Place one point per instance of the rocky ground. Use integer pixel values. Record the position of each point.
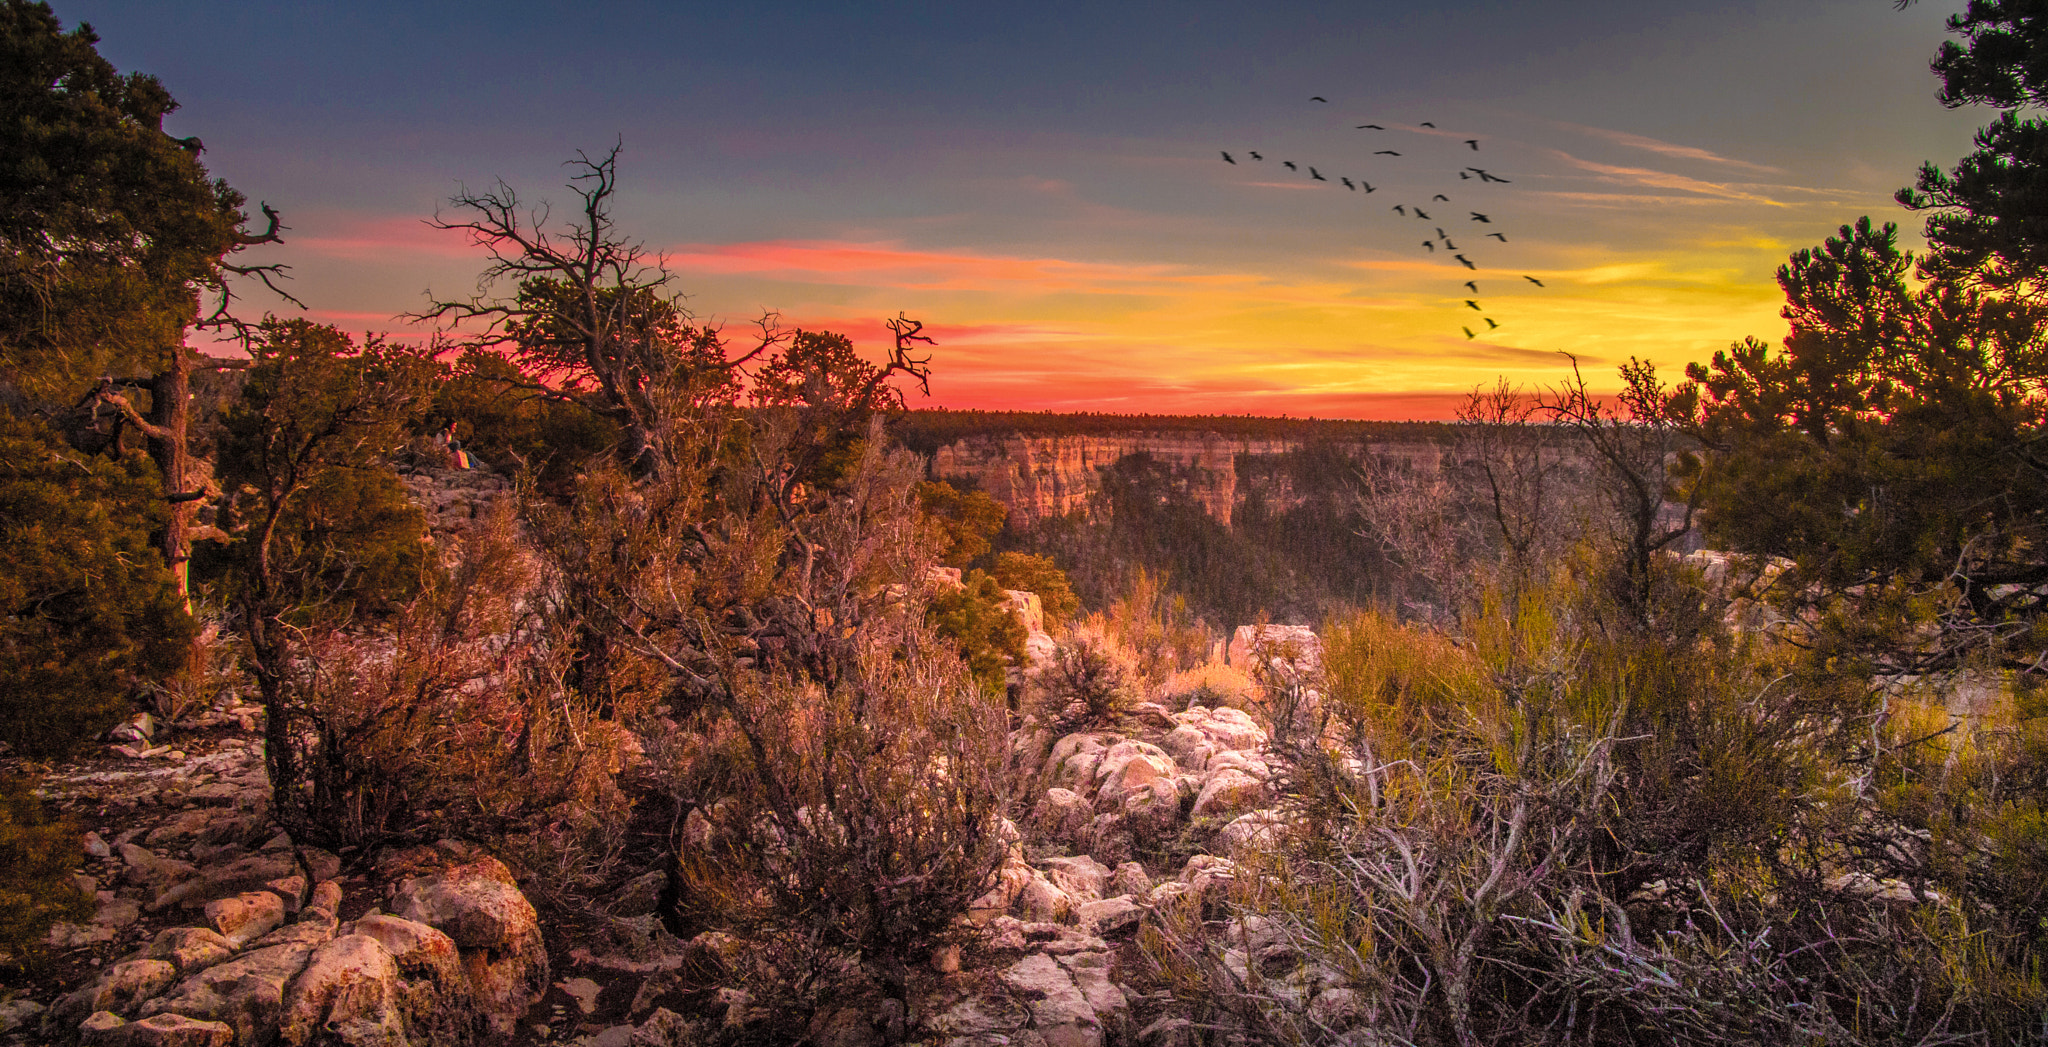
(213, 929)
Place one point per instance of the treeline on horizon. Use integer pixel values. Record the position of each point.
(927, 429)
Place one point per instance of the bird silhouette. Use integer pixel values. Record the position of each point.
(1490, 325)
(1386, 152)
(1468, 332)
(1473, 285)
(1474, 143)
(1347, 184)
(1422, 214)
(1464, 177)
(1289, 164)
(1227, 159)
(1254, 154)
(1369, 187)
(1442, 197)
(1477, 217)
(1317, 175)
(1431, 245)
(1533, 280)
(1474, 305)
(1401, 209)
(1440, 232)
(1448, 245)
(1486, 176)
(1502, 237)
(1427, 124)
(1467, 261)
(1318, 98)
(1374, 127)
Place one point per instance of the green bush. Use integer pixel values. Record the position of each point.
(317, 505)
(990, 637)
(87, 608)
(1038, 574)
(967, 520)
(37, 854)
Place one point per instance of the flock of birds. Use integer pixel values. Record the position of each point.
(1411, 210)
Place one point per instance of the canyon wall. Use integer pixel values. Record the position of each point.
(1041, 476)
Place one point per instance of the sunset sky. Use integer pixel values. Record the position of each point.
(1042, 183)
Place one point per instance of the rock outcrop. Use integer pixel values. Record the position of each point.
(464, 971)
(1039, 476)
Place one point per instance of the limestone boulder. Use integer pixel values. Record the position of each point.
(1073, 760)
(438, 1004)
(1152, 810)
(246, 992)
(1040, 900)
(1081, 877)
(495, 930)
(1062, 814)
(245, 917)
(1189, 746)
(1011, 877)
(350, 993)
(175, 1030)
(118, 990)
(1030, 611)
(311, 933)
(1131, 877)
(190, 949)
(1109, 916)
(1229, 791)
(1060, 1012)
(326, 899)
(1090, 969)
(1221, 729)
(1129, 767)
(101, 1029)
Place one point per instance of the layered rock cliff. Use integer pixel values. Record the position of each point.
(1042, 476)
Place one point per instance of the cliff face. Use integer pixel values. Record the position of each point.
(1044, 476)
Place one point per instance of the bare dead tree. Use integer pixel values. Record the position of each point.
(1497, 501)
(583, 309)
(1635, 441)
(1524, 465)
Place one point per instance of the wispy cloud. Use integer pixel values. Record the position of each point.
(356, 238)
(1663, 148)
(1654, 179)
(889, 263)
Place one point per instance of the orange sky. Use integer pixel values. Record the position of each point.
(1046, 191)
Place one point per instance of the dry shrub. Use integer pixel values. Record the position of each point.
(211, 669)
(1212, 683)
(854, 773)
(860, 820)
(452, 722)
(1161, 633)
(1460, 867)
(1380, 673)
(1090, 683)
